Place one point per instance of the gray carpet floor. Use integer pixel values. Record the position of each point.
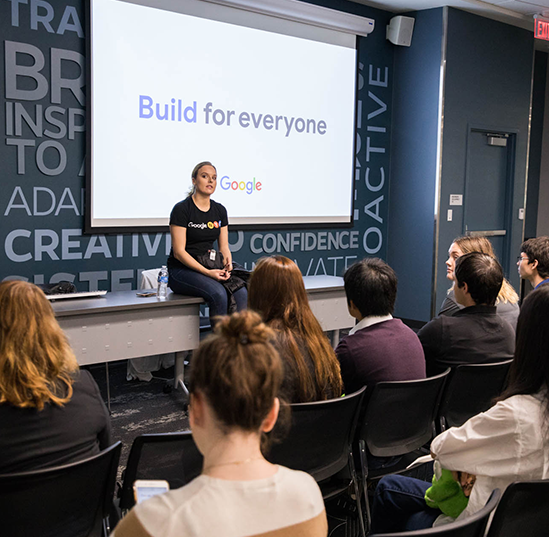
(140, 407)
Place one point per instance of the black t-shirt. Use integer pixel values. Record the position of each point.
(203, 228)
(31, 439)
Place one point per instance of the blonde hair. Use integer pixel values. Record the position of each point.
(37, 365)
(470, 243)
(194, 175)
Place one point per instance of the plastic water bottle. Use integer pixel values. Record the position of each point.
(162, 290)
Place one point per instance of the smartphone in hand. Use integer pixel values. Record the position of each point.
(144, 489)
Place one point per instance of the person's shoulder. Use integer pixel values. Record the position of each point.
(302, 487)
(84, 381)
(183, 206)
(434, 324)
(184, 203)
(154, 515)
(520, 404)
(218, 206)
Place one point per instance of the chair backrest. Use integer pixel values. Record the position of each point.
(400, 415)
(65, 501)
(472, 526)
(149, 279)
(523, 510)
(170, 456)
(471, 389)
(320, 436)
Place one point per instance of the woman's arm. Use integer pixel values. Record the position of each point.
(494, 443)
(179, 241)
(224, 248)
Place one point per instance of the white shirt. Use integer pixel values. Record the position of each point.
(505, 444)
(369, 321)
(288, 503)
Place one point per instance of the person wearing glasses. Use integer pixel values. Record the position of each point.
(533, 261)
(491, 450)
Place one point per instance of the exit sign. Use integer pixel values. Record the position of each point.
(541, 28)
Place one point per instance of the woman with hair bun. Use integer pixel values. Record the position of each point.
(311, 369)
(235, 378)
(51, 413)
(507, 302)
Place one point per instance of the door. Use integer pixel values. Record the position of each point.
(488, 189)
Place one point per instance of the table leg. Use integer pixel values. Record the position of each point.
(179, 370)
(335, 338)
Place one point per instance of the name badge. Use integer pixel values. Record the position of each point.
(212, 255)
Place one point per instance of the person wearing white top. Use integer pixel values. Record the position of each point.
(508, 443)
(235, 378)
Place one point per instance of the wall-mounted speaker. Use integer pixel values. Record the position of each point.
(400, 29)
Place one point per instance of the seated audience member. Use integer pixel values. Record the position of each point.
(507, 443)
(379, 348)
(507, 303)
(311, 370)
(475, 334)
(533, 262)
(51, 413)
(235, 379)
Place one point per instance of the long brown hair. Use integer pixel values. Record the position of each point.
(239, 371)
(529, 372)
(276, 290)
(37, 364)
(470, 243)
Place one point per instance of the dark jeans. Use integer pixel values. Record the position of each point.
(186, 281)
(399, 505)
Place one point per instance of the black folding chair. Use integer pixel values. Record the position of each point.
(170, 456)
(471, 389)
(72, 500)
(523, 510)
(319, 442)
(399, 419)
(472, 526)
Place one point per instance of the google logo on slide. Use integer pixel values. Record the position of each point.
(249, 187)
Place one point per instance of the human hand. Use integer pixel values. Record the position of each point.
(466, 481)
(219, 275)
(228, 267)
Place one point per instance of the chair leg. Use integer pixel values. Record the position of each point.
(364, 477)
(108, 387)
(357, 495)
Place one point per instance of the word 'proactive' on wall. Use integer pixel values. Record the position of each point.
(367, 155)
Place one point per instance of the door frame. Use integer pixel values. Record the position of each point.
(509, 186)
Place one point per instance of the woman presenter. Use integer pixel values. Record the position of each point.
(195, 224)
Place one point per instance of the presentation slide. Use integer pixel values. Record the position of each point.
(274, 113)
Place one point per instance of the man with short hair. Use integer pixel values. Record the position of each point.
(378, 348)
(533, 261)
(475, 334)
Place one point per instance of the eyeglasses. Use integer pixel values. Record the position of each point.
(520, 258)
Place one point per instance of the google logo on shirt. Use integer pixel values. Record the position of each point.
(249, 187)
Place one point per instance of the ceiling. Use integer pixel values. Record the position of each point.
(516, 12)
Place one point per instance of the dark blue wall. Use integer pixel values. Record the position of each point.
(41, 196)
(413, 167)
(488, 83)
(536, 139)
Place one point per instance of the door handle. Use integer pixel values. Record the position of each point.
(488, 233)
